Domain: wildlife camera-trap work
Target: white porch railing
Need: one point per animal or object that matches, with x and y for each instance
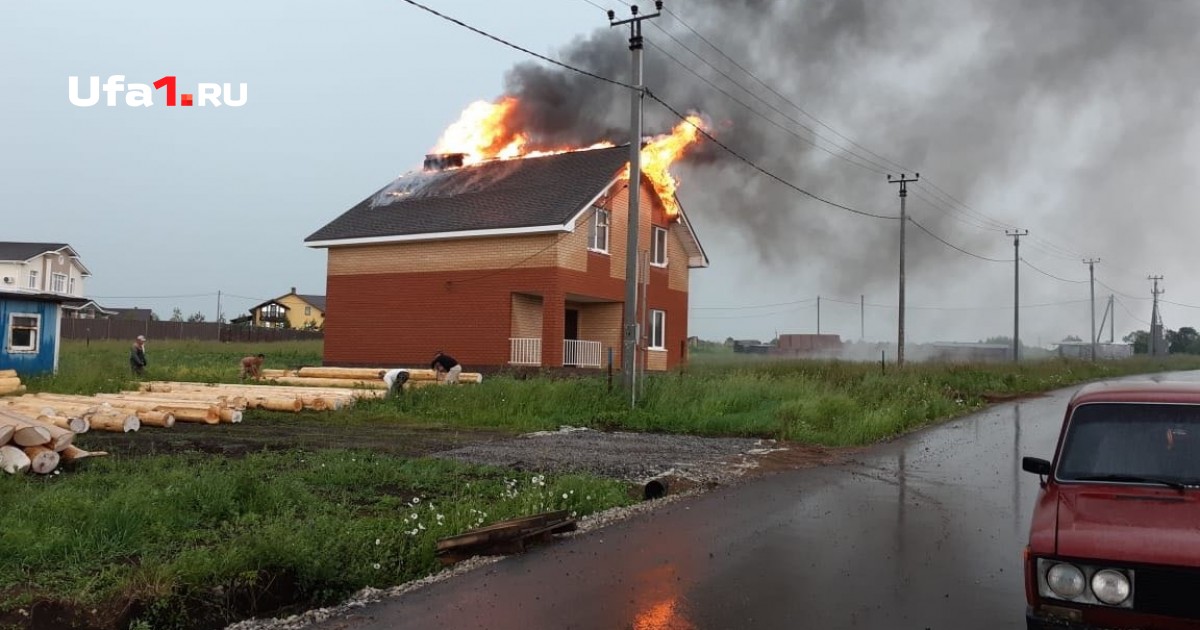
(578, 353)
(525, 351)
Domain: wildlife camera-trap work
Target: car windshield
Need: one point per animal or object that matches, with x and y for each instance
(1132, 442)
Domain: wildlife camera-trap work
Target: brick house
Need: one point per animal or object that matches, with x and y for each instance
(513, 262)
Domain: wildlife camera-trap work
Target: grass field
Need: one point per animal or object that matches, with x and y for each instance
(198, 541)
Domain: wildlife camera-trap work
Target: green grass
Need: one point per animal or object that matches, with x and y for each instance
(829, 403)
(191, 536)
(103, 366)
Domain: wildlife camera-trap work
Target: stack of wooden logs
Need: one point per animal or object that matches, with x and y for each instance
(362, 378)
(37, 444)
(10, 383)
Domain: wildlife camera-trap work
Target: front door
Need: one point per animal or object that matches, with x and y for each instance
(571, 324)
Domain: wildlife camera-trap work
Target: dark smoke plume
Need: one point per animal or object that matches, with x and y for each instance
(1082, 104)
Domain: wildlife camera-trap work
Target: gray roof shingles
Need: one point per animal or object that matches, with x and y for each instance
(318, 301)
(24, 251)
(529, 192)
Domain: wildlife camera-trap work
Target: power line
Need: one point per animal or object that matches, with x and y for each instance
(952, 245)
(151, 297)
(1050, 275)
(754, 306)
(1135, 317)
(760, 169)
(516, 47)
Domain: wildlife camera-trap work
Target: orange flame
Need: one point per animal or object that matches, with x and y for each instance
(661, 152)
(483, 132)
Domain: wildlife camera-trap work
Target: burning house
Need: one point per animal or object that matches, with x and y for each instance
(506, 257)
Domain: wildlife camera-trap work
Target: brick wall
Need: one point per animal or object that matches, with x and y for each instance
(526, 316)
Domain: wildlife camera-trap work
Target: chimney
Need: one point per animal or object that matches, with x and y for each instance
(293, 290)
(443, 161)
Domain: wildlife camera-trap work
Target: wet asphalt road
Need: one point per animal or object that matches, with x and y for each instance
(924, 532)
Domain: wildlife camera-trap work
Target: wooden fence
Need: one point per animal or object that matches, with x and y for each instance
(127, 329)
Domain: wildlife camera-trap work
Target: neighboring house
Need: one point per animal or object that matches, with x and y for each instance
(88, 310)
(36, 281)
(291, 310)
(808, 345)
(513, 262)
(134, 314)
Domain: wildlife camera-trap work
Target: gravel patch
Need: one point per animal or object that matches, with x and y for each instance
(632, 457)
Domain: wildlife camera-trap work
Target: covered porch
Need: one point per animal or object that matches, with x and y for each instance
(570, 331)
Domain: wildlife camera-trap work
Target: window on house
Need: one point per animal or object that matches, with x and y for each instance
(658, 330)
(58, 282)
(71, 285)
(598, 232)
(33, 280)
(23, 332)
(307, 311)
(658, 246)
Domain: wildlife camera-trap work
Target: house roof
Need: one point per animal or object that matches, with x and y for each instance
(136, 314)
(317, 301)
(499, 195)
(13, 251)
(34, 296)
(92, 304)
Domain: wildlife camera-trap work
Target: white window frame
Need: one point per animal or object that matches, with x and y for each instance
(71, 285)
(658, 251)
(55, 285)
(307, 311)
(37, 334)
(594, 230)
(658, 330)
(33, 279)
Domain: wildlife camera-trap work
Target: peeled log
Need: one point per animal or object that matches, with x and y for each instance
(228, 415)
(13, 460)
(59, 438)
(12, 389)
(6, 433)
(278, 373)
(115, 423)
(74, 425)
(164, 419)
(361, 374)
(332, 382)
(42, 460)
(208, 415)
(8, 374)
(24, 433)
(73, 453)
(9, 382)
(276, 404)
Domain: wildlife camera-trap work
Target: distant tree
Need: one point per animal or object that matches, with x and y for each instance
(1000, 340)
(176, 315)
(1140, 339)
(1072, 338)
(311, 325)
(195, 318)
(729, 342)
(154, 316)
(1183, 341)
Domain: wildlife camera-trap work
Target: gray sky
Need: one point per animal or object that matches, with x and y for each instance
(345, 96)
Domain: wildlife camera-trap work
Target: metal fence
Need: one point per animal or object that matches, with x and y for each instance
(127, 329)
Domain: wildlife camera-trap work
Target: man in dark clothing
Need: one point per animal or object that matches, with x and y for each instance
(137, 356)
(443, 362)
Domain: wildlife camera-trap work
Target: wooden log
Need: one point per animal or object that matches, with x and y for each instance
(277, 404)
(9, 382)
(74, 453)
(228, 415)
(332, 382)
(360, 374)
(42, 460)
(209, 415)
(6, 433)
(278, 373)
(164, 419)
(24, 433)
(59, 438)
(9, 374)
(115, 423)
(156, 387)
(74, 425)
(13, 460)
(9, 389)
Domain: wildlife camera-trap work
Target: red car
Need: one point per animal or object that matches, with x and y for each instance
(1115, 536)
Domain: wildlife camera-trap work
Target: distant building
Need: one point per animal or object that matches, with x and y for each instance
(806, 345)
(751, 346)
(1083, 350)
(36, 281)
(955, 352)
(291, 310)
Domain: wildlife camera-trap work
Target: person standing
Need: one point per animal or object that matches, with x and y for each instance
(137, 356)
(395, 380)
(443, 362)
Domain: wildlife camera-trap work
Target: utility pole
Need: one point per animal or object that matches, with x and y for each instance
(1155, 318)
(1016, 234)
(1112, 325)
(629, 356)
(862, 317)
(818, 314)
(1091, 263)
(218, 315)
(903, 181)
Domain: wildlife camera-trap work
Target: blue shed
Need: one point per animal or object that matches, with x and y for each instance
(31, 331)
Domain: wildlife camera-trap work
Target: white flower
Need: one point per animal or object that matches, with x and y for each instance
(376, 541)
(440, 518)
(413, 516)
(416, 500)
(421, 526)
(564, 495)
(376, 565)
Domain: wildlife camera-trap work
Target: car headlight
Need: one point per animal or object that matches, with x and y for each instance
(1110, 587)
(1067, 580)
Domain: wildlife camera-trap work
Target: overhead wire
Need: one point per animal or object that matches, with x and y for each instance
(952, 245)
(1050, 275)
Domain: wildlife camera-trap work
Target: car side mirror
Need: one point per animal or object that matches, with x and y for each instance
(1037, 466)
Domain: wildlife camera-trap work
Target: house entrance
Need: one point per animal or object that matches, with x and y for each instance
(571, 324)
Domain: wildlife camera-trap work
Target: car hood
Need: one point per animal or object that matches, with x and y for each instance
(1127, 524)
